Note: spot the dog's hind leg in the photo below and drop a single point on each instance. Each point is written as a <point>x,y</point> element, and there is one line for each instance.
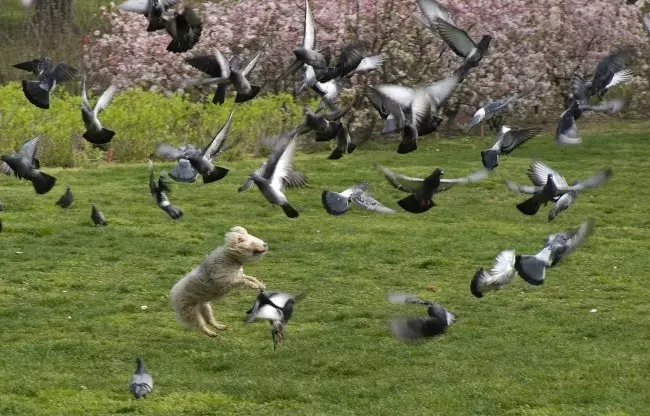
<point>201,323</point>
<point>208,315</point>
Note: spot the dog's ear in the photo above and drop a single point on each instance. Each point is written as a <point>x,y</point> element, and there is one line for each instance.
<point>234,238</point>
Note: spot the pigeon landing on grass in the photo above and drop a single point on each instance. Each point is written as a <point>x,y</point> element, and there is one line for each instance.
<point>141,381</point>
<point>66,199</point>
<point>97,216</point>
<point>277,308</point>
<point>185,29</point>
<point>508,139</point>
<point>159,191</point>
<point>24,165</point>
<point>422,190</point>
<point>419,328</point>
<point>272,180</point>
<point>47,77</point>
<point>153,10</point>
<point>337,203</point>
<point>497,278</point>
<point>95,132</point>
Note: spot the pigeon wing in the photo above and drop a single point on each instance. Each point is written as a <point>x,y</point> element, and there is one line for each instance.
<point>251,65</point>
<point>309,39</point>
<point>208,64</point>
<point>365,201</point>
<point>457,39</point>
<point>402,182</point>
<point>515,137</point>
<point>105,99</point>
<point>504,266</point>
<point>28,152</point>
<point>283,165</point>
<point>477,176</point>
<point>538,173</point>
<point>593,181</point>
<point>135,6</point>
<point>216,144</point>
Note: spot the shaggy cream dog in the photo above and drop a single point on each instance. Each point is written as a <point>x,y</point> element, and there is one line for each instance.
<point>220,272</point>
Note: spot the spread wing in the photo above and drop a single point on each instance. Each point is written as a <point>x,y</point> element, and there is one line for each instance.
<point>457,39</point>
<point>217,143</point>
<point>402,182</point>
<point>365,201</point>
<point>251,64</point>
<point>538,173</point>
<point>283,165</point>
<point>477,176</point>
<point>516,137</point>
<point>434,11</point>
<point>84,94</point>
<point>309,39</point>
<point>28,151</point>
<point>135,6</point>
<point>525,189</point>
<point>105,99</point>
<point>593,181</point>
<point>504,265</point>
<point>208,64</point>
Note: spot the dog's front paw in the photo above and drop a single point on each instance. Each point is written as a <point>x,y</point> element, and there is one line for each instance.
<point>261,287</point>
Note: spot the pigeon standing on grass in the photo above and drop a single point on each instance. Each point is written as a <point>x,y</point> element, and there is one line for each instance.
<point>48,76</point>
<point>153,10</point>
<point>159,191</point>
<point>508,139</point>
<point>25,165</point>
<point>436,322</point>
<point>497,278</point>
<point>337,203</point>
<point>277,308</point>
<point>95,132</point>
<point>141,381</point>
<point>66,199</point>
<point>97,216</point>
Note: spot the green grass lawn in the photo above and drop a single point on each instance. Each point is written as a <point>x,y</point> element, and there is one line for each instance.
<point>71,294</point>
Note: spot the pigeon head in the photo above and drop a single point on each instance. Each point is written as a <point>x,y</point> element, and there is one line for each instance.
<point>438,172</point>
<point>243,247</point>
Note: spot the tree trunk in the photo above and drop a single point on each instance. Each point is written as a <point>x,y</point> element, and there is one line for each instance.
<point>53,16</point>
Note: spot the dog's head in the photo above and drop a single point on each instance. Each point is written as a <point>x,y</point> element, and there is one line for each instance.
<point>244,247</point>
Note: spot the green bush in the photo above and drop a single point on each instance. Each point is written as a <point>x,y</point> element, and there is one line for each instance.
<point>141,120</point>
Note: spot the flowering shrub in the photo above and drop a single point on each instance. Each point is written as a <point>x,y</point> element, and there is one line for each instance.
<point>536,45</point>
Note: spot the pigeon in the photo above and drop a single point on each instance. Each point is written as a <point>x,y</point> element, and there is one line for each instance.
<point>201,160</point>
<point>277,308</point>
<point>141,381</point>
<point>66,199</point>
<point>185,29</point>
<point>352,60</point>
<point>95,132</point>
<point>293,179</point>
<point>153,10</point>
<point>97,216</point>
<point>337,203</point>
<point>463,46</point>
<point>24,165</point>
<point>492,109</point>
<point>325,125</point>
<point>211,65</point>
<point>610,71</point>
<point>566,132</point>
<point>422,190</point>
<point>230,75</point>
<point>436,322</point>
<point>183,171</point>
<point>549,185</point>
<point>329,92</point>
<point>271,181</point>
<point>48,76</point>
<point>159,191</point>
<point>343,143</point>
<point>508,139</point>
<point>562,204</point>
<point>497,278</point>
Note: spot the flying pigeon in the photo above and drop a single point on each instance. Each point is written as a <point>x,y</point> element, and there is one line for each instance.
<point>153,10</point>
<point>66,199</point>
<point>337,203</point>
<point>200,160</point>
<point>492,109</point>
<point>159,191</point>
<point>183,171</point>
<point>343,143</point>
<point>97,216</point>
<point>463,46</point>
<point>610,71</point>
<point>293,179</point>
<point>549,185</point>
<point>48,76</point>
<point>497,278</point>
<point>422,190</point>
<point>508,139</point>
<point>277,308</point>
<point>211,65</point>
<point>436,322</point>
<point>272,180</point>
<point>141,381</point>
<point>326,125</point>
<point>25,165</point>
<point>95,132</point>
<point>185,29</point>
<point>231,75</point>
<point>352,60</point>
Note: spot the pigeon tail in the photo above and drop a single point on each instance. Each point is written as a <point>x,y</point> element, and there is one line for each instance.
<point>173,212</point>
<point>140,390</point>
<point>220,94</point>
<point>531,269</point>
<point>101,137</point>
<point>36,94</point>
<point>529,206</point>
<point>289,211</point>
<point>490,159</point>
<point>351,147</point>
<point>245,186</point>
<point>409,140</point>
<point>242,98</point>
<point>474,285</point>
<point>215,175</point>
<point>334,203</point>
<point>337,153</point>
<point>415,206</point>
<point>43,183</point>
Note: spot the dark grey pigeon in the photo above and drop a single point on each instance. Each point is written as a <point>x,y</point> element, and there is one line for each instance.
<point>211,65</point>
<point>353,59</point>
<point>532,268</point>
<point>610,71</point>
<point>436,322</point>
<point>508,139</point>
<point>141,381</point>
<point>497,278</point>
<point>153,10</point>
<point>343,143</point>
<point>185,29</point>
<point>97,216</point>
<point>95,132</point>
<point>325,125</point>
<point>337,203</point>
<point>277,308</point>
<point>159,192</point>
<point>24,165</point>
<point>48,76</point>
<point>66,199</point>
<point>493,108</point>
<point>422,190</point>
